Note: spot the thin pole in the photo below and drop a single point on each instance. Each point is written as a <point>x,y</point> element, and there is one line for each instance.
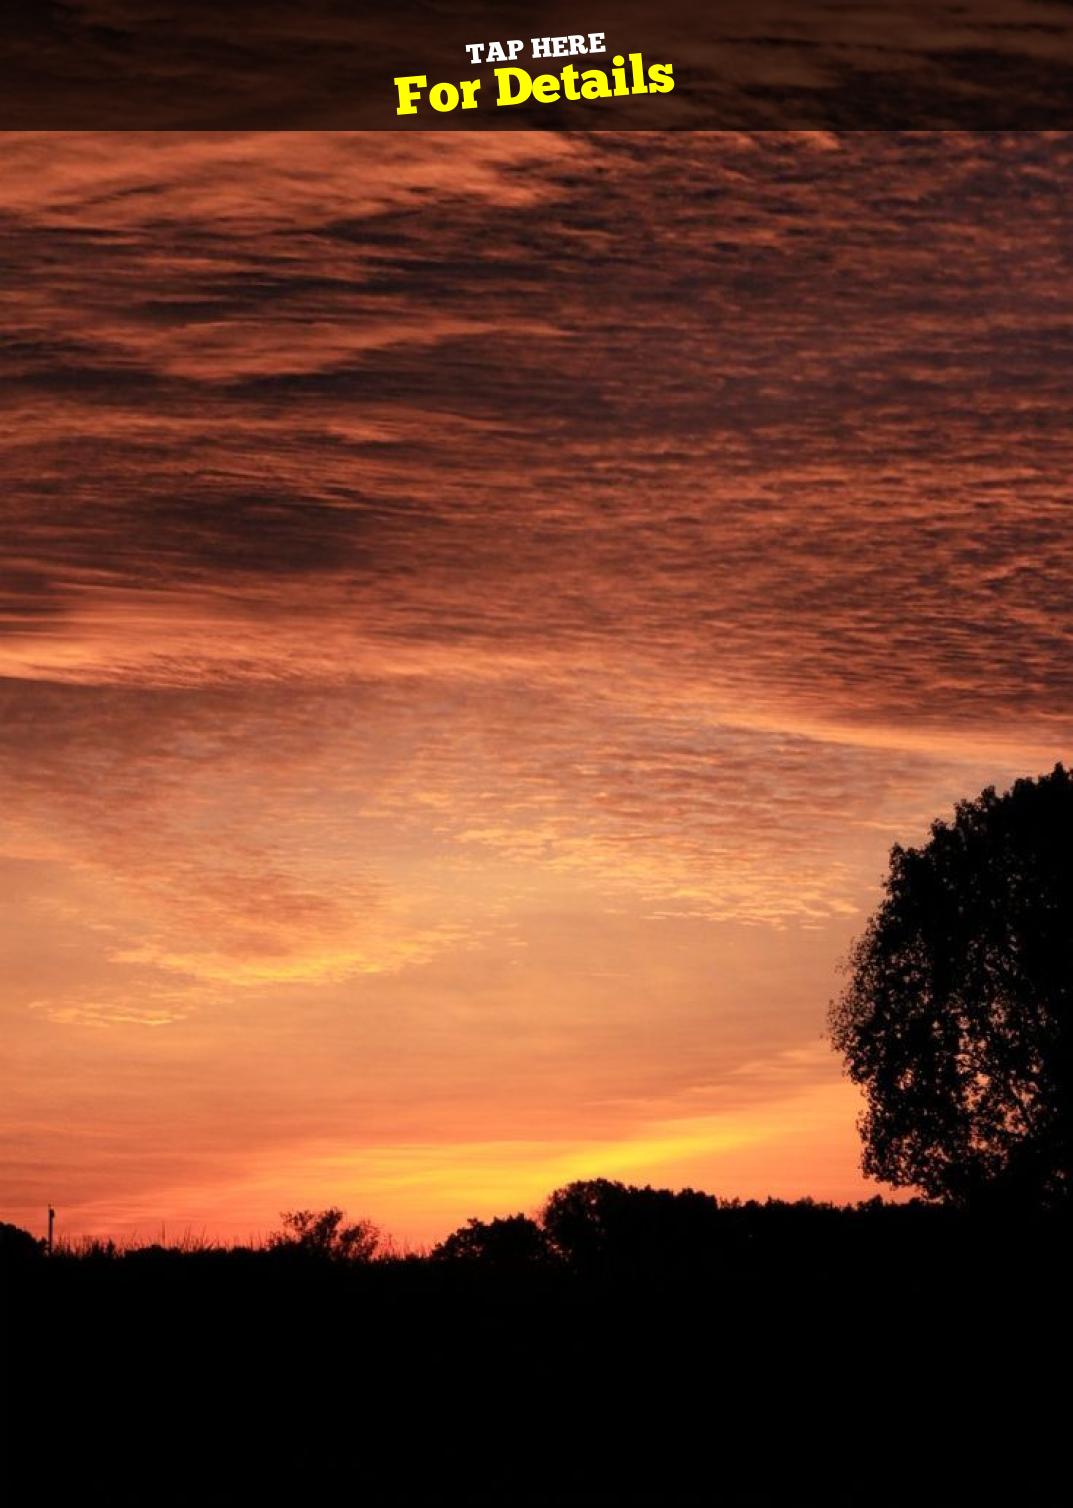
<point>51,1220</point>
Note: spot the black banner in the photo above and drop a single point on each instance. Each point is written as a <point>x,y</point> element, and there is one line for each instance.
<point>461,65</point>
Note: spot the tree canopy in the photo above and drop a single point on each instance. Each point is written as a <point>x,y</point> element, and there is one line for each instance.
<point>956,1017</point>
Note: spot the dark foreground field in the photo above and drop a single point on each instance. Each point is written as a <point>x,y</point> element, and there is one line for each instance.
<point>883,1356</point>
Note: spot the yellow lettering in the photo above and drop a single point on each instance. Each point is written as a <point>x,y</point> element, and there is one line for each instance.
<point>522,81</point>
<point>407,94</point>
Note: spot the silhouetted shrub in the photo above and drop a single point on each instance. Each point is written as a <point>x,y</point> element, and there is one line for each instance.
<point>18,1246</point>
<point>514,1243</point>
<point>321,1233</point>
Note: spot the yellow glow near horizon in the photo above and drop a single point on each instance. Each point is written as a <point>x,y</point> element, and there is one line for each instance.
<point>413,1191</point>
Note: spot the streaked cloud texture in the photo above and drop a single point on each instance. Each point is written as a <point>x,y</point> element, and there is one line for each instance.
<point>476,612</point>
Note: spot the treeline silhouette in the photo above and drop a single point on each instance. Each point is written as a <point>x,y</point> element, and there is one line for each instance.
<point>626,1346</point>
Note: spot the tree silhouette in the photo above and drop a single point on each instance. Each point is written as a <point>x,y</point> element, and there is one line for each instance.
<point>600,1224</point>
<point>956,1018</point>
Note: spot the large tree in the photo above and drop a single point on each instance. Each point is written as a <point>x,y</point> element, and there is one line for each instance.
<point>956,1017</point>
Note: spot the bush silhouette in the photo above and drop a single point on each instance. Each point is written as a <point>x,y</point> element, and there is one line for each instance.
<point>956,1019</point>
<point>513,1243</point>
<point>17,1245</point>
<point>321,1233</point>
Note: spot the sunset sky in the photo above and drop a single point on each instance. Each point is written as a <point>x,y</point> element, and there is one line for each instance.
<point>475,613</point>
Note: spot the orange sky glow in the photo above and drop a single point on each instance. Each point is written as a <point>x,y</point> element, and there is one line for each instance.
<point>475,613</point>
